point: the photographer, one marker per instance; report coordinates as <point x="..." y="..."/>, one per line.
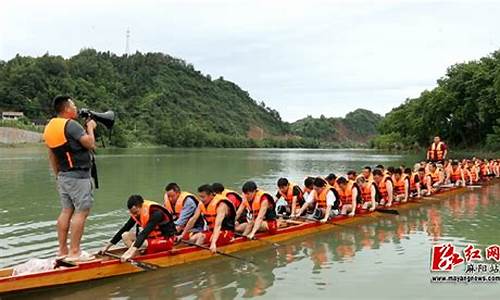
<point x="70" y="157"/>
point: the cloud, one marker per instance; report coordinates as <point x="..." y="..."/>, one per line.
<point x="300" y="57"/>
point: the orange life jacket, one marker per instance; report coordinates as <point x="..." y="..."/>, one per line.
<point x="473" y="174"/>
<point x="399" y="185"/>
<point x="366" y="191"/>
<point x="288" y="196"/>
<point x="456" y="175"/>
<point x="382" y="189"/>
<point x="434" y="176"/>
<point x="483" y="170"/>
<point x="256" y="204"/>
<point x="436" y="152"/>
<point x="179" y="204"/>
<point x="69" y="157"/>
<point x="413" y="182"/>
<point x="232" y="196"/>
<point x="346" y="194"/>
<point x="210" y="213"/>
<point x="146" y="210"/>
<point x="320" y="199"/>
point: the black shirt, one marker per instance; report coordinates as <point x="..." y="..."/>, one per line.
<point x="155" y="219"/>
<point x="296" y="192"/>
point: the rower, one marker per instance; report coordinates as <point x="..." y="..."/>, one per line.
<point x="422" y="182"/>
<point x="331" y="179"/>
<point x="157" y="225"/>
<point x="369" y="193"/>
<point x="308" y="186"/>
<point x="289" y="197"/>
<point x="350" y="196"/>
<point x="434" y="179"/>
<point x="237" y="201"/>
<point x="385" y="187"/>
<point x="325" y="198"/>
<point x="381" y="168"/>
<point x="390" y="171"/>
<point x="414" y="179"/>
<point x="351" y="175"/>
<point x="367" y="173"/>
<point x="262" y="206"/>
<point x="437" y="150"/>
<point x="401" y="186"/>
<point x="455" y="175"/>
<point x="182" y="206"/>
<point x="472" y="173"/>
<point x="219" y="213"/>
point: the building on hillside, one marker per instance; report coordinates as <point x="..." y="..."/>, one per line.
<point x="12" y="115"/>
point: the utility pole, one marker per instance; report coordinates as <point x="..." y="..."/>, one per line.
<point x="127" y="43"/>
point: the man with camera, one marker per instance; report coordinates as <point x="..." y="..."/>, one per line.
<point x="70" y="157"/>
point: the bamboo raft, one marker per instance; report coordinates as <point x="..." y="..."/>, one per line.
<point x="105" y="266"/>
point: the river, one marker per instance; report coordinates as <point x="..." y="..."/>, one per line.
<point x="383" y="258"/>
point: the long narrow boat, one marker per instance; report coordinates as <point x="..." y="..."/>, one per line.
<point x="107" y="267"/>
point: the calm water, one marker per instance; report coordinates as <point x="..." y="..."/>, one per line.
<point x="377" y="259"/>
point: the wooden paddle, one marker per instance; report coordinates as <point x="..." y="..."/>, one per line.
<point x="305" y="219"/>
<point x="219" y="252"/>
<point x="387" y="211"/>
<point x="275" y="245"/>
<point x="139" y="264"/>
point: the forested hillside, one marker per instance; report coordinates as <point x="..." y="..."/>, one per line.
<point x="160" y="99"/>
<point x="355" y="129"/>
<point x="464" y="109"/>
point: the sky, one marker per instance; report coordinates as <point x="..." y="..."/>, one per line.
<point x="299" y="57"/>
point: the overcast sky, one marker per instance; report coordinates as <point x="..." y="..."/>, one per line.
<point x="299" y="57"/>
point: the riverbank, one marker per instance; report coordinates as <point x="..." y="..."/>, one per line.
<point x="14" y="136"/>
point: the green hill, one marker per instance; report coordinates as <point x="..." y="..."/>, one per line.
<point x="357" y="128"/>
<point x="160" y="99"/>
<point x="464" y="109"/>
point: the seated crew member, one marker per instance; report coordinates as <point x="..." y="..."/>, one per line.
<point x="262" y="206"/>
<point x="381" y="168"/>
<point x="401" y="186"/>
<point x="367" y="173"/>
<point x="351" y="175"/>
<point x="390" y="170"/>
<point x="414" y="179"/>
<point x="434" y="179"/>
<point x="385" y="187"/>
<point x="157" y="225"/>
<point x="220" y="215"/>
<point x="308" y="186"/>
<point x="182" y="205"/>
<point x="369" y="193"/>
<point x="325" y="200"/>
<point x="471" y="172"/>
<point x="237" y="201"/>
<point x="484" y="170"/>
<point x="331" y="179"/>
<point x="496" y="168"/>
<point x="290" y="196"/>
<point x="422" y="182"/>
<point x="350" y="196"/>
<point x="455" y="175"/>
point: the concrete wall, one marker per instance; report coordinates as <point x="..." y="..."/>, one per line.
<point x="16" y="136"/>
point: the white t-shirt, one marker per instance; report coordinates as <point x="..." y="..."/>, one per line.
<point x="330" y="198"/>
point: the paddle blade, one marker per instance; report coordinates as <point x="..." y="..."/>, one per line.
<point x="387" y="211"/>
<point x="143" y="265"/>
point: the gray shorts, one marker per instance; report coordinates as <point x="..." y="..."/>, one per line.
<point x="75" y="193"/>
